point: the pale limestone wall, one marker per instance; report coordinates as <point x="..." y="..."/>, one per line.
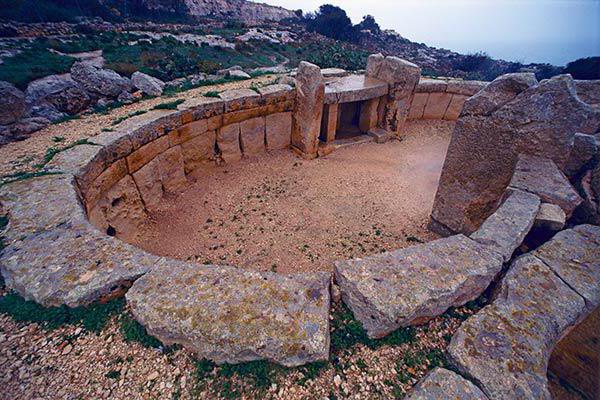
<point x="441" y="99"/>
<point x="160" y="152"/>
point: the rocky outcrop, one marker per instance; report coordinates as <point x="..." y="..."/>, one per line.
<point x="310" y="96"/>
<point x="12" y="103"/>
<point x="540" y="120"/>
<point x="147" y="84"/>
<point x="102" y="82"/>
<point x="444" y="384"/>
<point x="430" y="278"/>
<point x="60" y="92"/>
<point x="229" y="315"/>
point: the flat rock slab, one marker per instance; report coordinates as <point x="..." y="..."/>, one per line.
<point x="230" y="315"/>
<point x="542" y="177"/>
<point x="505" y="347"/>
<point x="408" y="286"/>
<point x="354" y="88"/>
<point x="444" y="384"/>
<point x="506" y="228"/>
<point x="550" y="217"/>
<point x="574" y="255"/>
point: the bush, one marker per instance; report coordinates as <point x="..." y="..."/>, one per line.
<point x="331" y="21"/>
<point x="584" y="68"/>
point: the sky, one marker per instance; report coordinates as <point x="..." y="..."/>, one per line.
<point x="550" y="31"/>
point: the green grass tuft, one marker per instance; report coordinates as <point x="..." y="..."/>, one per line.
<point x="117" y="121"/>
<point x="171" y="105"/>
<point x="212" y="93"/>
<point x="133" y="331"/>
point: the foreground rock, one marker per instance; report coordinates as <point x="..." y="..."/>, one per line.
<point x="230" y="315"/>
<point x="505" y="347"/>
<point x="103" y="82"/>
<point x="12" y="103"/>
<point x="59" y="92"/>
<point x="542" y="177"/>
<point x="540" y="120"/>
<point x="506" y="228"/>
<point x="444" y="384"/>
<point x="408" y="286"/>
<point x="147" y="84"/>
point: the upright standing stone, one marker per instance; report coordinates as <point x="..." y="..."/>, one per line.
<point x="402" y="77"/>
<point x="310" y="96"/>
<point x="496" y="125"/>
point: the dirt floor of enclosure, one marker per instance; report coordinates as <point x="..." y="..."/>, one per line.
<point x="284" y="214"/>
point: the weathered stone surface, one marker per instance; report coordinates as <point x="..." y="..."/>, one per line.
<point x="588" y="91"/>
<point x="506" y="228"/>
<point x="198" y="151"/>
<point x="53" y="255"/>
<point x="58" y="91"/>
<point x="329" y="122"/>
<point x="172" y="173"/>
<point x="466" y="88"/>
<point x="239" y="99"/>
<point x="147" y="84"/>
<point x="231" y="315"/>
<point x="278" y="130"/>
<point x="550" y="217"/>
<point x="228" y="140"/>
<point x="148" y="181"/>
<point x="334" y="72"/>
<point x="147" y="153"/>
<point x="379" y="135"/>
<point x="238" y="74"/>
<point x="574" y="255"/>
<point x="437" y="104"/>
<point x="252" y="136"/>
<point x="444" y="384"/>
<point x="483" y="150"/>
<point x="368" y="115"/>
<point x="429" y="85"/>
<point x="417" y="107"/>
<point x="354" y="88"/>
<point x="505" y="347"/>
<point x="310" y="94"/>
<point x="12" y="103"/>
<point x="499" y="92"/>
<point x="408" y="286"/>
<point x="273" y="94"/>
<point x="104" y="82"/>
<point x="72" y="160"/>
<point x="402" y="78"/>
<point x="585" y="148"/>
<point x="542" y="177"/>
<point x="113" y="174"/>
<point x="455" y="107"/>
<point x="187" y="132"/>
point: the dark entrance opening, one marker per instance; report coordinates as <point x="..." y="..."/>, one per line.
<point x="348" y="120"/>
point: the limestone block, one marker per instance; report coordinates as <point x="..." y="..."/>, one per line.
<point x="310" y="95"/>
<point x="588" y="90"/>
<point x="428" y="85"/>
<point x="187" y="132"/>
<point x="330" y="121"/>
<point x="455" y="107"/>
<point x="232" y="315"/>
<point x="408" y="286"/>
<point x="550" y="217"/>
<point x="149" y="183"/>
<point x="172" y="173"/>
<point x="198" y="151"/>
<point x="437" y="104"/>
<point x="368" y="115"/>
<point x="146" y="153"/>
<point x="228" y="141"/>
<point x="585" y="148"/>
<point x="242" y="115"/>
<point x="441" y="384"/>
<point x="252" y="136"/>
<point x="465" y="88"/>
<point x="417" y="108"/>
<point x="278" y="130"/>
<point x="114" y="173"/>
<point x="240" y="99"/>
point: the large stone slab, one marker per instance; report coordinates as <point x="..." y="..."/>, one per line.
<point x="505" y="347"/>
<point x="493" y="129"/>
<point x="354" y="88"/>
<point x="278" y="130"/>
<point x="574" y="255"/>
<point x="507" y="227"/>
<point x="542" y="177"/>
<point x="408" y="286"/>
<point x="444" y="384"/>
<point x="310" y="95"/>
<point x="230" y="315"/>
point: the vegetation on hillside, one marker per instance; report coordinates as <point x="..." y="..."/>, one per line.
<point x="584" y="68"/>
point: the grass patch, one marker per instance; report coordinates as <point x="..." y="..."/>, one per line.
<point x="118" y="120"/>
<point x="170" y="105"/>
<point x="133" y="331"/>
<point x="20" y="176"/>
<point x="113" y="374"/>
<point x="53" y="151"/>
<point x="212" y="93"/>
<point x="93" y="318"/>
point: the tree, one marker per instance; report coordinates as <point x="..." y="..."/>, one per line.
<point x="584" y="68"/>
<point x="331" y="21"/>
<point x="369" y="24"/>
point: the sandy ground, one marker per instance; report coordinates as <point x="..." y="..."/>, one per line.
<point x="280" y="213"/>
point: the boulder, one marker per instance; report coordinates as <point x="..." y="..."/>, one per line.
<point x="238" y="74"/>
<point x="542" y="177"/>
<point x="584" y="150"/>
<point x="506" y="228"/>
<point x="505" y="347"/>
<point x="12" y="103"/>
<point x="550" y="217"/>
<point x="22" y="129"/>
<point x="310" y="95"/>
<point x="230" y="315"/>
<point x="103" y="82"/>
<point x="408" y="286"/>
<point x="441" y="384"/>
<point x="589" y="90"/>
<point x="58" y="91"/>
<point x="499" y="92"/>
<point x="147" y="84"/>
<point x="541" y="120"/>
<point x="47" y="112"/>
